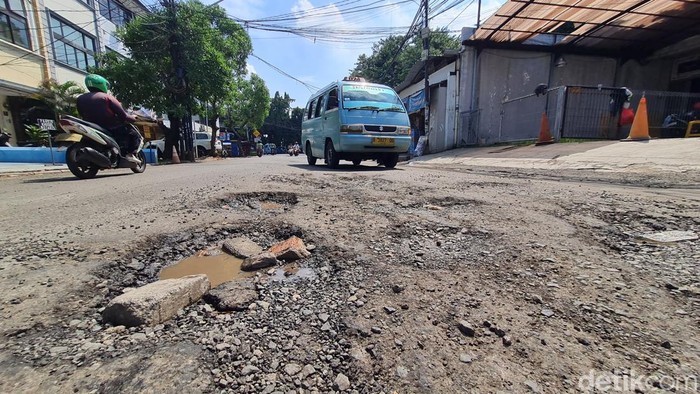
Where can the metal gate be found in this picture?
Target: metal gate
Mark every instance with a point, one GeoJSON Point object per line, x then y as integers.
{"type": "Point", "coordinates": [521, 117]}
{"type": "Point", "coordinates": [594, 111]}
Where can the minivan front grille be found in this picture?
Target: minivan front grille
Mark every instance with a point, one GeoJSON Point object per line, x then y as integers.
{"type": "Point", "coordinates": [380, 129]}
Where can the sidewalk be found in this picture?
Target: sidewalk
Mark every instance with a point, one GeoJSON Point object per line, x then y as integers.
{"type": "Point", "coordinates": [21, 168]}
{"type": "Point", "coordinates": [676, 155]}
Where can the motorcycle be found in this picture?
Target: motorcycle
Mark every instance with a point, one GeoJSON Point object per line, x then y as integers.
{"type": "Point", "coordinates": [675, 126]}
{"type": "Point", "coordinates": [92, 148]}
{"type": "Point", "coordinates": [5, 139]}
{"type": "Point", "coordinates": [294, 150]}
{"type": "Point", "coordinates": [259, 149]}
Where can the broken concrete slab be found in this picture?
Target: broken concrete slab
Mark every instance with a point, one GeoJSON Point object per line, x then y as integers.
{"type": "Point", "coordinates": [155, 302]}
{"type": "Point", "coordinates": [241, 247]}
{"type": "Point", "coordinates": [235, 295]}
{"type": "Point", "coordinates": [260, 261]}
{"type": "Point", "coordinates": [670, 236]}
{"type": "Point", "coordinates": [290, 250]}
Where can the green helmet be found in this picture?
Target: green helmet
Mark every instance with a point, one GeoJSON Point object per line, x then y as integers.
{"type": "Point", "coordinates": [94, 81]}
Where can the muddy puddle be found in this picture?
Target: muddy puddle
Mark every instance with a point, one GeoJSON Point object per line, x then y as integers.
{"type": "Point", "coordinates": [292, 273]}
{"type": "Point", "coordinates": [271, 206]}
{"type": "Point", "coordinates": [219, 268]}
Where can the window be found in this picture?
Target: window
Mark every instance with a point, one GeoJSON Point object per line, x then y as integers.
{"type": "Point", "coordinates": [319, 106]}
{"type": "Point", "coordinates": [13, 23]}
{"type": "Point", "coordinates": [312, 109]}
{"type": "Point", "coordinates": [307, 111]}
{"type": "Point", "coordinates": [114, 11]}
{"type": "Point", "coordinates": [332, 99]}
{"type": "Point", "coordinates": [71, 46]}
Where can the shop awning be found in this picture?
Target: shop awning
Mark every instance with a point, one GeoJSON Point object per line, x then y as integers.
{"type": "Point", "coordinates": [631, 28]}
{"type": "Point", "coordinates": [8, 88]}
{"type": "Point", "coordinates": [415, 102]}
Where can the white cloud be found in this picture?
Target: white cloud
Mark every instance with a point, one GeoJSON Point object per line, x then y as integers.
{"type": "Point", "coordinates": [244, 9]}
{"type": "Point", "coordinates": [250, 69]}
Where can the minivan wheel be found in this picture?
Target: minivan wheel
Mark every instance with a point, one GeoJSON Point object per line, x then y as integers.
{"type": "Point", "coordinates": [201, 152]}
{"type": "Point", "coordinates": [331, 156]}
{"type": "Point", "coordinates": [309, 157]}
{"type": "Point", "coordinates": [390, 160]}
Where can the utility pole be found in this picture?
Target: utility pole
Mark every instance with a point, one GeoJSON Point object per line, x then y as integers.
{"type": "Point", "coordinates": [181, 91]}
{"type": "Point", "coordinates": [426, 58]}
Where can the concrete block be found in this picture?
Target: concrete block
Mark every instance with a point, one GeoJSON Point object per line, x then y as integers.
{"type": "Point", "coordinates": [290, 250]}
{"type": "Point", "coordinates": [156, 302]}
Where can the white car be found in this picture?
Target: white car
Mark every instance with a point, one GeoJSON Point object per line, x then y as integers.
{"type": "Point", "coordinates": [202, 142]}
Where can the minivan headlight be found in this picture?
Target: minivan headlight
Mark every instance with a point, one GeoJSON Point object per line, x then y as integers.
{"type": "Point", "coordinates": [403, 130]}
{"type": "Point", "coordinates": [351, 128]}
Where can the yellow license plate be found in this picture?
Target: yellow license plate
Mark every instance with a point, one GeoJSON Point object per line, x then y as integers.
{"type": "Point", "coordinates": [382, 141]}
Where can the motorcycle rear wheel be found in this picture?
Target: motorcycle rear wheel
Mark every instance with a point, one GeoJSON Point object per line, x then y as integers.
{"type": "Point", "coordinates": [141, 167]}
{"type": "Point", "coordinates": [80, 171]}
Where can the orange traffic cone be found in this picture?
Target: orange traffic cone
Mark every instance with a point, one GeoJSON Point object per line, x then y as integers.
{"type": "Point", "coordinates": [640, 124]}
{"type": "Point", "coordinates": [545, 136]}
{"type": "Point", "coordinates": [176, 158]}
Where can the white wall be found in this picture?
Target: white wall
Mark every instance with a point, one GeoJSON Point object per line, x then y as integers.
{"type": "Point", "coordinates": [506, 74]}
{"type": "Point", "coordinates": [443, 111]}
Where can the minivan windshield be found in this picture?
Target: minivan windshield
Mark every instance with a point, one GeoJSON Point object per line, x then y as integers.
{"type": "Point", "coordinates": [368, 97]}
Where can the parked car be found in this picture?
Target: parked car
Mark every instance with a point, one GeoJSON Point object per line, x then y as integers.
{"type": "Point", "coordinates": [202, 142]}
{"type": "Point", "coordinates": [270, 149]}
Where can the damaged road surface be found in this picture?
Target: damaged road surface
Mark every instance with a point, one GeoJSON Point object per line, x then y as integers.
{"type": "Point", "coordinates": [409, 280]}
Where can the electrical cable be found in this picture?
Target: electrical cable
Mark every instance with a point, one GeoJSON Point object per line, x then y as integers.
{"type": "Point", "coordinates": [460, 13]}
{"type": "Point", "coordinates": [308, 86]}
{"type": "Point", "coordinates": [40, 48]}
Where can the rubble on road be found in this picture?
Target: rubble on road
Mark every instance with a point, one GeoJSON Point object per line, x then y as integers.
{"type": "Point", "coordinates": [241, 247]}
{"type": "Point", "coordinates": [156, 302]}
{"type": "Point", "coordinates": [290, 249]}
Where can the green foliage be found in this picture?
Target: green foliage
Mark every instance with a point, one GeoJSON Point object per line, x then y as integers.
{"type": "Point", "coordinates": [283, 124]}
{"type": "Point", "coordinates": [251, 104]}
{"type": "Point", "coordinates": [279, 110]}
{"type": "Point", "coordinates": [60, 98]}
{"type": "Point", "coordinates": [215, 51]}
{"type": "Point", "coordinates": [36, 135]}
{"type": "Point", "coordinates": [389, 66]}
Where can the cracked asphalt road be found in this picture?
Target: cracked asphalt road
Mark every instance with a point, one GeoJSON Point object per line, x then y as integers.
{"type": "Point", "coordinates": [546, 266]}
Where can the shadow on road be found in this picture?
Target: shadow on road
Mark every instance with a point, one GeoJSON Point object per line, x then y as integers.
{"type": "Point", "coordinates": [71, 177]}
{"type": "Point", "coordinates": [345, 168]}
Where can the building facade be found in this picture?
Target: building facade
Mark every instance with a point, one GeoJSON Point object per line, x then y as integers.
{"type": "Point", "coordinates": [52, 39]}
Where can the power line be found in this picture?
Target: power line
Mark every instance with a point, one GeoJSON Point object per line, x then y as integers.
{"type": "Point", "coordinates": [308, 86]}
{"type": "Point", "coordinates": [460, 13]}
{"type": "Point", "coordinates": [40, 48]}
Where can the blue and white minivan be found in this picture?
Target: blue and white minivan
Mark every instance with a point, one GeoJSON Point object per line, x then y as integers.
{"type": "Point", "coordinates": [355, 120]}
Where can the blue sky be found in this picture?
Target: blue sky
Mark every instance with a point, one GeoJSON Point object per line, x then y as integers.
{"type": "Point", "coordinates": [318, 62]}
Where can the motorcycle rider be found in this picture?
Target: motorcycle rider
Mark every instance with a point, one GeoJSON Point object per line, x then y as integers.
{"type": "Point", "coordinates": [5, 138]}
{"type": "Point", "coordinates": [103, 109]}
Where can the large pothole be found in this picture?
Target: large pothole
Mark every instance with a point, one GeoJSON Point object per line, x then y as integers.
{"type": "Point", "coordinates": [296, 323]}
{"type": "Point", "coordinates": [258, 201]}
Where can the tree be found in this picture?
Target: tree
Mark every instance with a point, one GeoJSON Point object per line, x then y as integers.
{"type": "Point", "coordinates": [181, 57]}
{"type": "Point", "coordinates": [60, 98]}
{"type": "Point", "coordinates": [389, 63]}
{"type": "Point", "coordinates": [251, 104]}
{"type": "Point", "coordinates": [279, 110]}
{"type": "Point", "coordinates": [283, 124]}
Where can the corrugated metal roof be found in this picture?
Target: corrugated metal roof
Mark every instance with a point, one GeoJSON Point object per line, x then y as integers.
{"type": "Point", "coordinates": [624, 25]}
